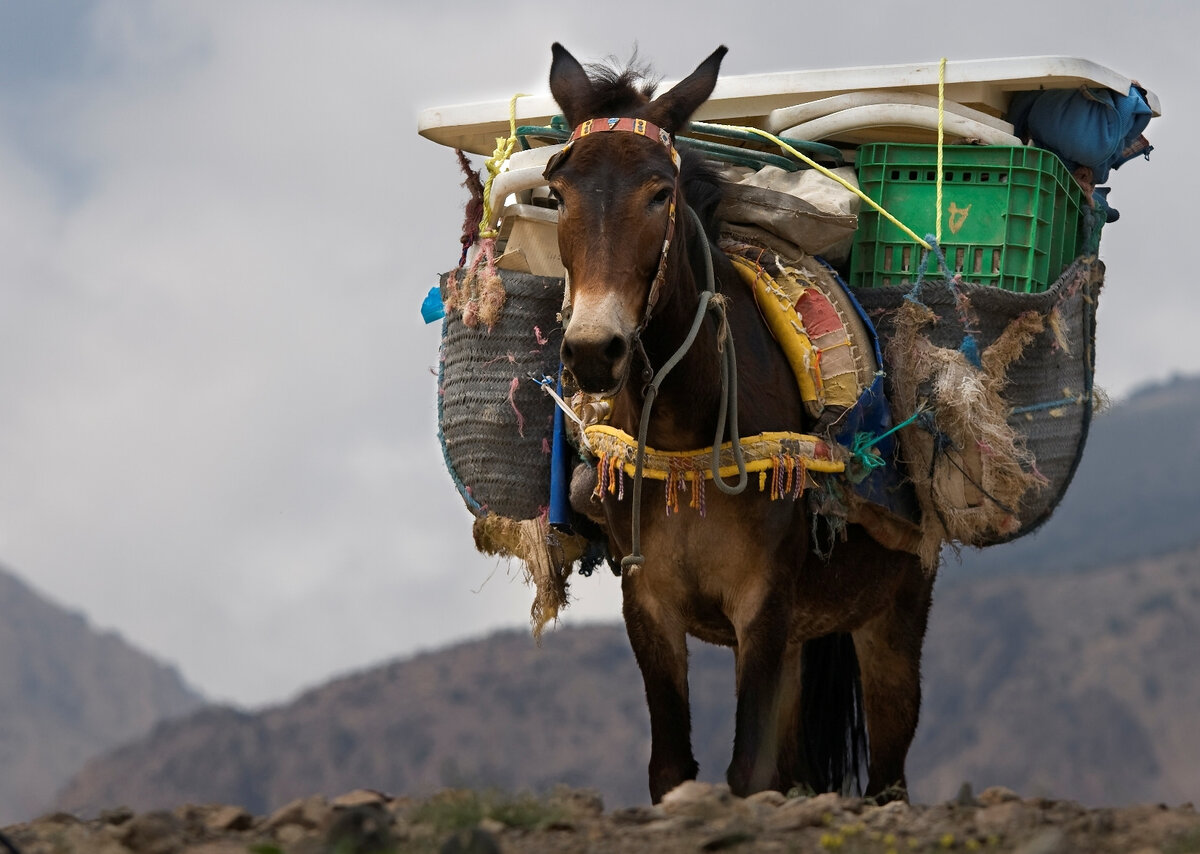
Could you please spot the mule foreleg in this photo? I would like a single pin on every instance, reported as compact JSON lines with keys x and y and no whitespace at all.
{"x":760,"y":698}
{"x":661,"y":652}
{"x":889,"y":656}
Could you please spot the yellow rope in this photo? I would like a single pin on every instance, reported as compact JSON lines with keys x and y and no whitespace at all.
{"x":828,"y":174}
{"x":937,"y":229}
{"x":504,"y":150}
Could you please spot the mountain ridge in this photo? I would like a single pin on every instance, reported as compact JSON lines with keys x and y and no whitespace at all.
{"x":68,"y":692}
{"x":1020,"y":691}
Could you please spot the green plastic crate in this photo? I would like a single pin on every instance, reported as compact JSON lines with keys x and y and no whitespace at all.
{"x":1011,"y":215}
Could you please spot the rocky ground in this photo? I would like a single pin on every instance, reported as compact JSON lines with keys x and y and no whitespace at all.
{"x":695,"y":817}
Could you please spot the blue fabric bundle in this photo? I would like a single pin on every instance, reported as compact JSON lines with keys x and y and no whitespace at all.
{"x":1097,"y":128}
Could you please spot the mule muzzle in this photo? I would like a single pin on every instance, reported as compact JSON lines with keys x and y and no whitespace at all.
{"x":598,"y":358}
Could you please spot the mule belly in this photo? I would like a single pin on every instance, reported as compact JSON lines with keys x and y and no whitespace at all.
{"x":711,"y":575}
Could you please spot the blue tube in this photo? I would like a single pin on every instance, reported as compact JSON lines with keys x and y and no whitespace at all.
{"x":560,"y":469}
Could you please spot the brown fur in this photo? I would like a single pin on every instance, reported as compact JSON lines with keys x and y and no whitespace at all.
{"x":743,"y":575}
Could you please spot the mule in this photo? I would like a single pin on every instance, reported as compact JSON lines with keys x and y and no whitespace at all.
{"x":827,"y":650}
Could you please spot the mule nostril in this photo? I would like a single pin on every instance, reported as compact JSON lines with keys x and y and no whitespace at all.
{"x":568,"y":355}
{"x":615,"y":349}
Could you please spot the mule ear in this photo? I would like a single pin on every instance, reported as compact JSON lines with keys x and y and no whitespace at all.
{"x":671,"y":110}
{"x":569,"y":84}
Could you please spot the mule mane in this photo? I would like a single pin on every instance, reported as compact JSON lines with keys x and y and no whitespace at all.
{"x":620,"y":91}
{"x":703,"y":190}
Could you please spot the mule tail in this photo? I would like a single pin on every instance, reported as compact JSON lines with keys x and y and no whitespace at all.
{"x":832,"y":721}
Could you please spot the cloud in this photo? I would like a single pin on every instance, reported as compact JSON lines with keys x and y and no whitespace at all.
{"x":218,"y":224}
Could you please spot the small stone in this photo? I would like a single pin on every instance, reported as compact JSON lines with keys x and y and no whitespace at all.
{"x":1052,"y":841}
{"x":360,"y":797}
{"x":769,"y":798}
{"x":817,"y":811}
{"x":636,"y":815}
{"x":675,"y":824}
{"x":115,"y":816}
{"x":157,"y":832}
{"x":401,"y":805}
{"x":578,"y":802}
{"x":228,"y":818}
{"x":1063,"y":810}
{"x":1102,"y":821}
{"x":997,"y":795}
{"x":854,"y":806}
{"x":1006,"y":818}
{"x":290,"y":834}
{"x":79,"y":837}
{"x":490,"y":825}
{"x":1165,"y":824}
{"x":727,"y":839}
{"x":1041,"y":803}
{"x":362,"y":828}
{"x":892,"y":817}
{"x":309,"y":813}
{"x":473,"y":841}
{"x":561,"y":825}
{"x":58,"y":818}
{"x":700,"y":800}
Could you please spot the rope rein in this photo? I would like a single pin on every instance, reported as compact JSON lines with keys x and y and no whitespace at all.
{"x":635,"y":560}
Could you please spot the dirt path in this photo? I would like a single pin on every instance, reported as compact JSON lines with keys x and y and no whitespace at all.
{"x":695,"y":817}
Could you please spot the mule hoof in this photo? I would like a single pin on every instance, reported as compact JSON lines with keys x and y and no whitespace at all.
{"x":664,"y":779}
{"x":743,"y":781}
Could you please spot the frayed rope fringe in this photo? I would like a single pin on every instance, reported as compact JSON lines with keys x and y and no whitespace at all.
{"x":975,"y":496}
{"x":480,"y":294}
{"x":786,"y":476}
{"x":547,"y":554}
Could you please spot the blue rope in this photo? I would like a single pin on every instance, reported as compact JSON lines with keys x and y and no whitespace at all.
{"x":933,"y":253}
{"x":969,"y":346}
{"x":1050,"y":404}
{"x":970,"y":349}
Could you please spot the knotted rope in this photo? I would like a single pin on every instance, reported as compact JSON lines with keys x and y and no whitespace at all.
{"x":504,"y":150}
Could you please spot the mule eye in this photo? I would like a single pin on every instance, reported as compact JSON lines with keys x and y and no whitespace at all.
{"x":557,"y":198}
{"x":661,"y":197}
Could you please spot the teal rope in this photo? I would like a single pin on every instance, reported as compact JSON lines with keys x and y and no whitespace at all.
{"x":864,"y":442}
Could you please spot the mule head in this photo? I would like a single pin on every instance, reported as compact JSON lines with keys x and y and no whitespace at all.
{"x":617,"y":194}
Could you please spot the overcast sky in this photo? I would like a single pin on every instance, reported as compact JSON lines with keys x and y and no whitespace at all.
{"x":217,"y":221}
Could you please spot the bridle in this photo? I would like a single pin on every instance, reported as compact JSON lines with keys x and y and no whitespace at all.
{"x":654,"y":133}
{"x":709,"y":301}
